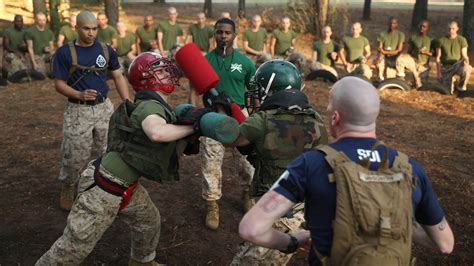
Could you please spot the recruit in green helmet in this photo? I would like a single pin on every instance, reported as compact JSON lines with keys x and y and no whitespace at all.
{"x":274,"y":75}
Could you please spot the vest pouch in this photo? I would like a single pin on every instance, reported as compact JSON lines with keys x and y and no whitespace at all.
{"x":373,"y":255}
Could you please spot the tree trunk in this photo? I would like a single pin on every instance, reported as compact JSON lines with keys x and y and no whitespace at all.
{"x":208,"y":8}
{"x":468,"y":23}
{"x":39,"y":6}
{"x":112,"y":11}
{"x":322,"y":7}
{"x":54,"y":16}
{"x":420,"y":12}
{"x":241,"y":11}
{"x":366,"y":12}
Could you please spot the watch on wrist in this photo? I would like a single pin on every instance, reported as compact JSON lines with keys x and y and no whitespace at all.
{"x":292,"y":246}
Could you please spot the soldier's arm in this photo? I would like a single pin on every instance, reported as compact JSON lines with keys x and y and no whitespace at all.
{"x":85,"y":95}
{"x":257,"y":224}
{"x":438,"y":63}
{"x":248,"y":49}
{"x":342,"y":55}
{"x":133,"y":51}
{"x":160,"y":42}
{"x":120,"y":84}
{"x":157,"y":130}
{"x":212,"y":44}
{"x":239,"y":142}
{"x":367,"y":52}
{"x":272,"y":46}
{"x":137,"y":45}
{"x":314,"y":58}
{"x":464,"y":55}
{"x":114,"y":43}
{"x":31,"y":53}
{"x":60,"y":40}
{"x":439,"y":236}
{"x":189,"y":38}
{"x":6,"y":44}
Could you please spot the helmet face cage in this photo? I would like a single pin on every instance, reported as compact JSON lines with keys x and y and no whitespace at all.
{"x":253,"y":97}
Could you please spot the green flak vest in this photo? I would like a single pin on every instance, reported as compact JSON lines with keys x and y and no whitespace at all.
{"x":86,"y":69}
{"x":156,"y":161}
{"x":373,"y":224}
{"x":288,"y":133}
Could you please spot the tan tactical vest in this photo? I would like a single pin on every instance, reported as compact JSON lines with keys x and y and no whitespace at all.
{"x":373,"y":224}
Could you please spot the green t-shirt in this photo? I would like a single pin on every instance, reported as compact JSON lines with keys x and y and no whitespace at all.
{"x":418,"y":43}
{"x":354,"y":47}
{"x":283,"y":40}
{"x":106,"y":35}
{"x":40,"y":39}
{"x":324,"y":51}
{"x":235,"y":71}
{"x":391,"y":40}
{"x":451,"y":48}
{"x":201,"y":36}
{"x":68,"y":33}
{"x":124,"y":45}
{"x":112,"y":160}
{"x":256,"y":39}
{"x":15,"y":37}
{"x":146,"y":36}
{"x":170,"y":33}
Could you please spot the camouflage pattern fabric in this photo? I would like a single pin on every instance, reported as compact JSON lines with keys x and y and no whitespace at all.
{"x":43,"y":67}
{"x":92,"y":214}
{"x":82,"y":126}
{"x":360,"y":69}
{"x":211,"y":168}
{"x":386,"y":67}
{"x":448,"y":72}
{"x":13,"y":63}
{"x":420,"y":71}
{"x":250,"y":254}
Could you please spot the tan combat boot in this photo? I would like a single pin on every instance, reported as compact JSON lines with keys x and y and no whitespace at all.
{"x":133,"y":262}
{"x":212,"y":216}
{"x":67,"y":196}
{"x":247,"y":201}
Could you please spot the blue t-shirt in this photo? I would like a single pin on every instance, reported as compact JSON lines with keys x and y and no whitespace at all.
{"x":309,"y":175}
{"x":86,"y":56}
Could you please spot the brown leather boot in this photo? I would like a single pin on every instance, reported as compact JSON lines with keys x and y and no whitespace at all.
{"x":212,"y":216}
{"x":247,"y":201}
{"x":66,"y":197}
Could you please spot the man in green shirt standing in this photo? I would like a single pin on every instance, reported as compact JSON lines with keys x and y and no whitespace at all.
{"x":147,"y":35}
{"x":235,"y":71}
{"x":255,"y":38}
{"x":105,"y":33}
{"x":390,"y":46}
{"x":452,"y":59}
{"x":282,"y":38}
{"x":14,"y":47}
{"x":419,"y":52}
{"x":325,"y":52}
{"x":169,"y":32}
{"x":39,"y":40}
{"x":355,"y":50}
{"x":126,"y":47}
{"x":201,"y":34}
{"x":68,"y":32}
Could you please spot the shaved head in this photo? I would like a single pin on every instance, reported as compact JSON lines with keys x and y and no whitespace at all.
{"x":85,"y":17}
{"x":357,"y":102}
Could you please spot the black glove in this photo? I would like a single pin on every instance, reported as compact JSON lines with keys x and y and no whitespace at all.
{"x":192,"y":144}
{"x":213,"y":101}
{"x":192,"y":116}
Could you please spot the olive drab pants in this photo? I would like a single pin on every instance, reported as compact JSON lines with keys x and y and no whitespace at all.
{"x":253,"y":255}
{"x":461,"y":69}
{"x":83,"y":126}
{"x":212,"y":157}
{"x":92,"y":214}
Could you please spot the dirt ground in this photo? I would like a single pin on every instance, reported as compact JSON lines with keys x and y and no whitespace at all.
{"x":436,"y":130}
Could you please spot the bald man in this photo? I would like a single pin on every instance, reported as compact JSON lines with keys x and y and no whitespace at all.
{"x":170,"y":33}
{"x":352,"y":112}
{"x":68,"y":32}
{"x":354,"y":52}
{"x":88,"y":109}
{"x":282,"y":39}
{"x":39,"y":40}
{"x":452,"y":59}
{"x":325,"y":52}
{"x":106,"y":33}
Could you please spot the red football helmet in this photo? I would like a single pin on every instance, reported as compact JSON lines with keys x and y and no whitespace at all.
{"x":151,"y":71}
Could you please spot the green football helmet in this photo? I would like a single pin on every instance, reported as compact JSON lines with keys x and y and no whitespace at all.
{"x":272,"y":76}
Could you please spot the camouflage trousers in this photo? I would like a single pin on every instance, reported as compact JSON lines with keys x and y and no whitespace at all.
{"x":318,"y":66}
{"x":420,"y":71}
{"x":93,"y":213}
{"x":43,"y":67}
{"x":13,"y":63}
{"x":124,"y":62}
{"x":251,"y":254}
{"x":449,"y":71}
{"x":82,"y":126}
{"x":212,"y":156}
{"x":359,"y":69}
{"x":385,"y":67}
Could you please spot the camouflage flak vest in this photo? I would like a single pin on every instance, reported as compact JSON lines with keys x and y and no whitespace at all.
{"x":373,"y":224}
{"x":154,"y":160}
{"x":288,"y":133}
